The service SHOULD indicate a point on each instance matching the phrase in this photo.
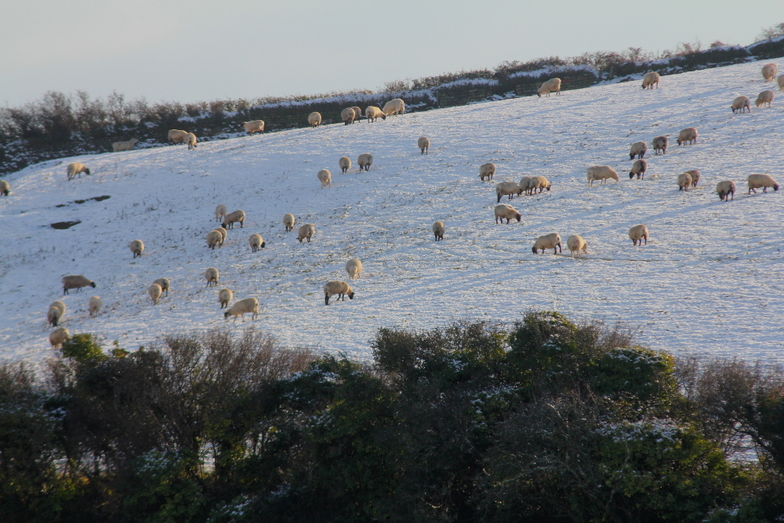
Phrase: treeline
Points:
(546, 421)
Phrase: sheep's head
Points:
(519, 216)
(86, 170)
(92, 284)
(775, 187)
(351, 295)
(533, 249)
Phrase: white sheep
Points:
(191, 141)
(59, 336)
(507, 189)
(155, 292)
(224, 297)
(553, 84)
(76, 168)
(650, 79)
(601, 172)
(780, 81)
(505, 210)
(224, 234)
(687, 135)
(525, 184)
(344, 162)
(725, 189)
(254, 126)
(365, 160)
(124, 146)
(354, 268)
(325, 177)
(256, 242)
(212, 275)
(214, 238)
(638, 233)
(487, 170)
(769, 71)
(741, 103)
(372, 113)
(242, 307)
(660, 144)
(424, 144)
(178, 136)
(339, 288)
(233, 217)
(765, 97)
(684, 181)
(220, 212)
(638, 168)
(695, 176)
(5, 187)
(537, 182)
(357, 112)
(348, 115)
(547, 241)
(164, 283)
(55, 312)
(76, 282)
(306, 232)
(314, 119)
(394, 107)
(638, 150)
(289, 221)
(95, 305)
(761, 180)
(438, 229)
(575, 243)
(137, 248)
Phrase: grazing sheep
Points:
(684, 181)
(769, 71)
(224, 233)
(306, 232)
(507, 189)
(214, 238)
(638, 149)
(765, 97)
(256, 242)
(650, 79)
(224, 297)
(325, 177)
(314, 119)
(575, 243)
(233, 217)
(372, 113)
(211, 275)
(695, 176)
(548, 241)
(639, 167)
(254, 126)
(538, 182)
(487, 170)
(365, 160)
(505, 210)
(761, 180)
(394, 107)
(137, 248)
(357, 112)
(124, 146)
(155, 292)
(191, 140)
(660, 143)
(553, 84)
(178, 136)
(5, 187)
(780, 81)
(95, 305)
(59, 336)
(424, 144)
(687, 135)
(354, 268)
(344, 163)
(741, 103)
(76, 282)
(601, 172)
(55, 312)
(726, 189)
(438, 229)
(76, 168)
(341, 288)
(348, 115)
(220, 212)
(165, 284)
(289, 221)
(638, 233)
(242, 307)
(525, 184)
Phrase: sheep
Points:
(575, 243)
(486, 170)
(325, 177)
(191, 140)
(650, 79)
(687, 135)
(601, 172)
(438, 230)
(341, 288)
(741, 103)
(372, 113)
(155, 292)
(165, 284)
(224, 297)
(525, 184)
(289, 221)
(505, 210)
(178, 136)
(59, 336)
(348, 115)
(639, 168)
(254, 126)
(314, 119)
(761, 180)
(780, 81)
(306, 231)
(55, 312)
(684, 181)
(424, 144)
(695, 176)
(230, 219)
(211, 275)
(394, 107)
(638, 149)
(553, 84)
(548, 241)
(124, 146)
(76, 282)
(765, 97)
(344, 163)
(365, 160)
(769, 71)
(214, 238)
(256, 242)
(357, 112)
(354, 268)
(660, 143)
(507, 189)
(638, 233)
(538, 182)
(95, 305)
(220, 212)
(76, 168)
(240, 308)
(224, 233)
(5, 187)
(725, 189)
(137, 248)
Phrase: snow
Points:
(709, 282)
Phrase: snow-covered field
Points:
(710, 281)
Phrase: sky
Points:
(201, 50)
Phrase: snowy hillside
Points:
(710, 281)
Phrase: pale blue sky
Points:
(201, 50)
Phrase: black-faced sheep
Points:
(242, 307)
(220, 212)
(339, 288)
(354, 268)
(76, 168)
(424, 144)
(59, 336)
(254, 126)
(233, 217)
(547, 241)
(638, 168)
(505, 210)
(660, 144)
(155, 292)
(124, 146)
(553, 84)
(256, 242)
(212, 275)
(224, 297)
(763, 181)
(164, 283)
(5, 187)
(191, 141)
(687, 135)
(344, 163)
(486, 171)
(55, 312)
(650, 79)
(393, 107)
(601, 172)
(725, 190)
(769, 71)
(306, 232)
(695, 176)
(214, 238)
(638, 150)
(137, 248)
(365, 160)
(765, 97)
(76, 282)
(684, 182)
(507, 189)
(325, 177)
(348, 115)
(178, 136)
(289, 221)
(95, 305)
(372, 113)
(741, 103)
(638, 233)
(438, 229)
(314, 119)
(575, 243)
